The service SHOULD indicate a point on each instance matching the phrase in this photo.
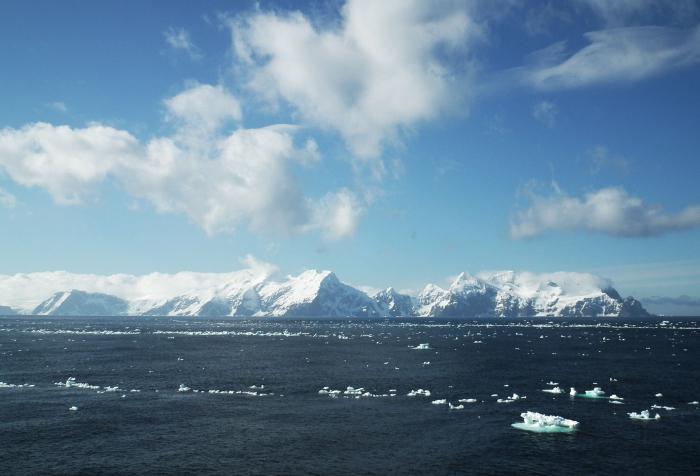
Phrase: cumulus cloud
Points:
(204, 105)
(179, 40)
(610, 211)
(545, 112)
(219, 180)
(614, 55)
(376, 72)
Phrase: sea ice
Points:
(659, 395)
(439, 402)
(694, 402)
(467, 400)
(662, 407)
(419, 393)
(183, 388)
(540, 423)
(615, 397)
(455, 407)
(553, 390)
(572, 391)
(422, 347)
(510, 399)
(597, 392)
(15, 385)
(644, 415)
(553, 384)
(73, 408)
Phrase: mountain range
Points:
(313, 293)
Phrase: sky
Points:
(395, 142)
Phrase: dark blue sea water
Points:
(274, 421)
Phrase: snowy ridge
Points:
(314, 293)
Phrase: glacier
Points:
(258, 292)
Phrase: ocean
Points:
(228, 396)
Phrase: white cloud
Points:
(7, 200)
(64, 161)
(219, 180)
(204, 105)
(179, 39)
(370, 77)
(25, 291)
(610, 211)
(546, 112)
(615, 55)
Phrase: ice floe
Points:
(439, 402)
(662, 407)
(72, 383)
(421, 347)
(643, 415)
(418, 393)
(555, 390)
(73, 408)
(597, 392)
(15, 385)
(467, 400)
(511, 399)
(455, 407)
(540, 423)
(659, 395)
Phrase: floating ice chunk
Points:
(71, 382)
(15, 385)
(694, 402)
(455, 407)
(616, 402)
(422, 347)
(556, 390)
(439, 402)
(510, 399)
(467, 400)
(662, 407)
(615, 397)
(540, 423)
(419, 393)
(73, 408)
(183, 388)
(572, 391)
(324, 391)
(553, 384)
(597, 392)
(659, 395)
(426, 363)
(644, 415)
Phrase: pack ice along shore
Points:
(258, 293)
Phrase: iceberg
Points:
(572, 392)
(455, 407)
(421, 347)
(540, 423)
(418, 393)
(597, 392)
(644, 415)
(556, 390)
(73, 408)
(662, 407)
(439, 402)
(467, 400)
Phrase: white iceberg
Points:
(419, 393)
(572, 391)
(467, 400)
(183, 388)
(615, 397)
(422, 347)
(439, 402)
(73, 408)
(455, 407)
(510, 399)
(662, 407)
(597, 392)
(553, 384)
(659, 395)
(555, 390)
(644, 415)
(540, 423)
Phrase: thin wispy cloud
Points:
(619, 55)
(7, 200)
(545, 112)
(58, 106)
(610, 211)
(179, 40)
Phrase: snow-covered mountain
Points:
(313, 293)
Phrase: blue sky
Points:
(396, 144)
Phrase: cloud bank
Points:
(610, 211)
